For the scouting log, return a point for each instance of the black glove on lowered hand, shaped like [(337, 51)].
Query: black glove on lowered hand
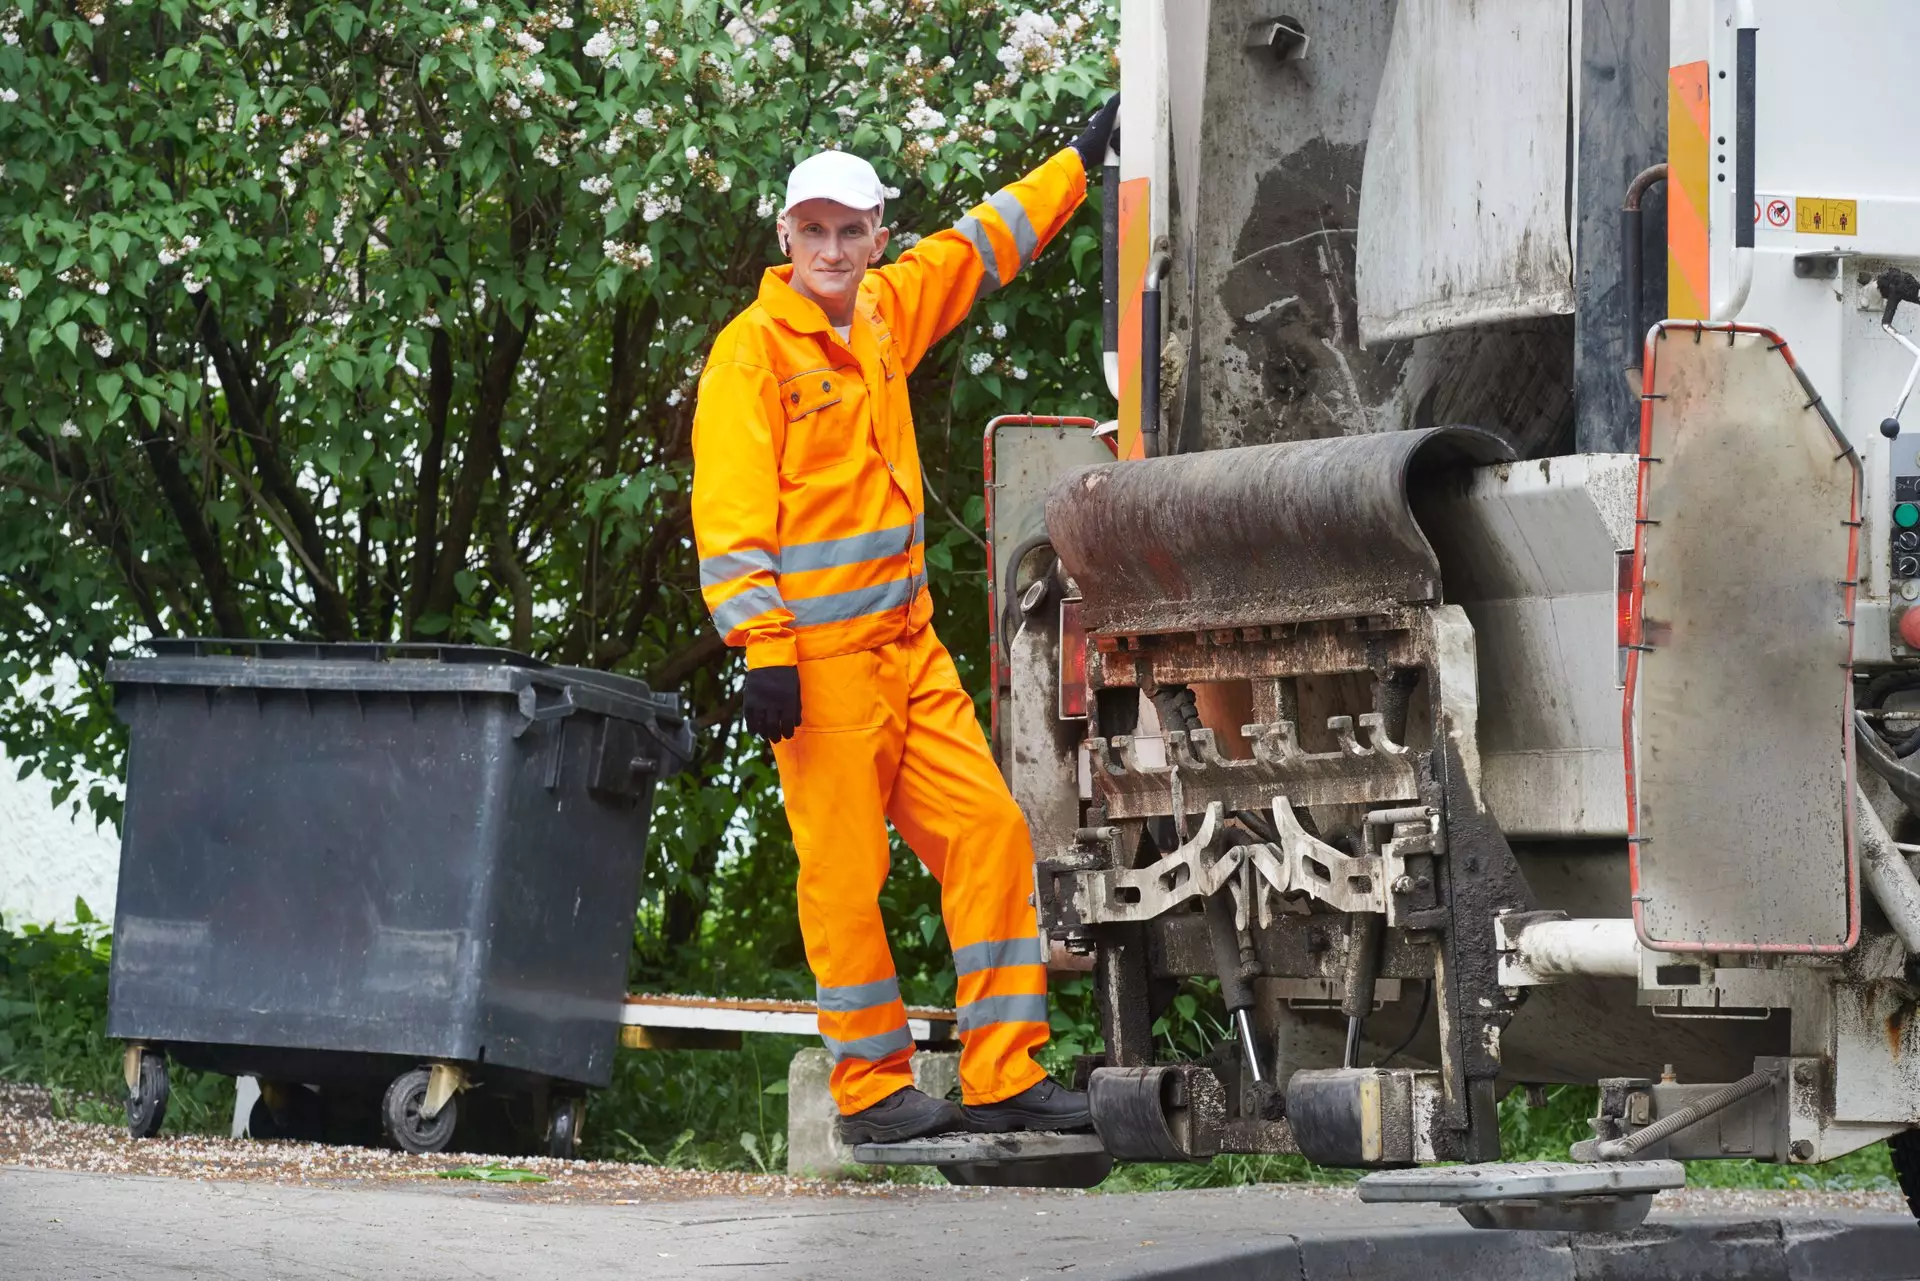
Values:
[(772, 702), (1092, 144)]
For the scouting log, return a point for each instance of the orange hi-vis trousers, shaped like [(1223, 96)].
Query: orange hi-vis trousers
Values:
[(889, 734)]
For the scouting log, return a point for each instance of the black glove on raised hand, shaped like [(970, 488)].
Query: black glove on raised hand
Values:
[(1092, 144), (772, 702)]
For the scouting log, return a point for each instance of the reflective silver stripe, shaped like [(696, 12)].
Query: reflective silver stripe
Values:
[(727, 566), (870, 1048), (1030, 1008), (840, 607), (975, 957), (1008, 206), (751, 603), (859, 996), (833, 552), (973, 230)]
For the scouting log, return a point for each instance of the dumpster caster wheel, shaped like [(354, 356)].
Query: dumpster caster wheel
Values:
[(400, 1114), (563, 1128), (147, 1095)]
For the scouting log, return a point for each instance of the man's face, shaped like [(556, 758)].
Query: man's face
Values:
[(831, 247)]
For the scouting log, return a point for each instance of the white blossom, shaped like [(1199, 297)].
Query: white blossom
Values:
[(914, 57), (742, 33), (765, 209), (299, 371), (526, 40), (103, 346), (193, 286), (600, 46), (987, 136), (999, 331), (922, 117), (102, 288), (534, 76), (644, 117), (68, 429), (9, 95), (907, 239), (97, 19), (783, 48), (598, 185), (1019, 374), (674, 397), (978, 362), (891, 193), (488, 22), (652, 28), (452, 139), (693, 153), (632, 257), (860, 58)]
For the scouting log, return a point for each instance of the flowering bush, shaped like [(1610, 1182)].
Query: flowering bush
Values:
[(381, 318)]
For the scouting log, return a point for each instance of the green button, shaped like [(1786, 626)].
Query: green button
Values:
[(1906, 515)]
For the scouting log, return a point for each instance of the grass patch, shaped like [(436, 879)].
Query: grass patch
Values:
[(53, 1032)]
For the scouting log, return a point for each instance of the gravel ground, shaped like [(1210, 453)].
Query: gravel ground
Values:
[(32, 1138)]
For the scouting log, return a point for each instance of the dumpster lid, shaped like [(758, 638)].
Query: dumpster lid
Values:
[(409, 668)]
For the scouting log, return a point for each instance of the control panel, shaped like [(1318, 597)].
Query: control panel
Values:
[(1905, 527)]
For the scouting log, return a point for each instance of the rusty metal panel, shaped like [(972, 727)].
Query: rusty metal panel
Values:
[(1739, 693), (1293, 532)]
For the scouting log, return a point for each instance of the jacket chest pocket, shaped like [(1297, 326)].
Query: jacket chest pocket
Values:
[(823, 420)]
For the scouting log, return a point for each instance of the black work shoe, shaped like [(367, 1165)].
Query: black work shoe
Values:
[(908, 1114), (1045, 1105)]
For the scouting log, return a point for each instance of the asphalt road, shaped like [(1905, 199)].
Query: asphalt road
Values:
[(58, 1225)]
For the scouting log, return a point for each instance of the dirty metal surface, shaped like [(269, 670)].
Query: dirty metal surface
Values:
[(953, 1149), (1249, 537), (1740, 758), (1503, 1180)]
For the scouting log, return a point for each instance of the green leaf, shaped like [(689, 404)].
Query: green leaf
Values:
[(495, 1173), (893, 136), (29, 280), (108, 385), (69, 336), (150, 407), (775, 1088)]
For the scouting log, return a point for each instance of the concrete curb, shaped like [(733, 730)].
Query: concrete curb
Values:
[(1721, 1249)]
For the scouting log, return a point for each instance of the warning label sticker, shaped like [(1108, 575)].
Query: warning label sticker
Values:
[(1821, 217)]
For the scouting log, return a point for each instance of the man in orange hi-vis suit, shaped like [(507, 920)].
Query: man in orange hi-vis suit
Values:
[(809, 515)]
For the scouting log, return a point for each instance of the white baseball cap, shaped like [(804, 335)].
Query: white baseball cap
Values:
[(838, 176)]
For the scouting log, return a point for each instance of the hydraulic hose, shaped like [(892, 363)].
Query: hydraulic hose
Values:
[(1150, 355), (1630, 267)]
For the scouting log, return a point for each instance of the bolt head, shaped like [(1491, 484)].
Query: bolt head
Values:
[(1801, 1149), (1403, 885), (1803, 1073)]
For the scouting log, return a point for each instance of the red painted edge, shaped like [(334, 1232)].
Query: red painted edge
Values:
[(986, 489)]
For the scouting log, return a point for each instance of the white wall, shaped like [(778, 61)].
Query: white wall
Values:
[(48, 858)]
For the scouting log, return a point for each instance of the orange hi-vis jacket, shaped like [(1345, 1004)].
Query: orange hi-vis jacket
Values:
[(807, 502)]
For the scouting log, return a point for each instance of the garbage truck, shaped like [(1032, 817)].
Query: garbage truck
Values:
[(1484, 643)]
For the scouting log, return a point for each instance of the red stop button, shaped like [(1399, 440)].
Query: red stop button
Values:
[(1910, 628)]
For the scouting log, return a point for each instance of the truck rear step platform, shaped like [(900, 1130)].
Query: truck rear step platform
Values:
[(1035, 1159), (1560, 1196)]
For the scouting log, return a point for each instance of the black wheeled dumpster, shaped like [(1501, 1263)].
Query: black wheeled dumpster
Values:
[(396, 884)]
